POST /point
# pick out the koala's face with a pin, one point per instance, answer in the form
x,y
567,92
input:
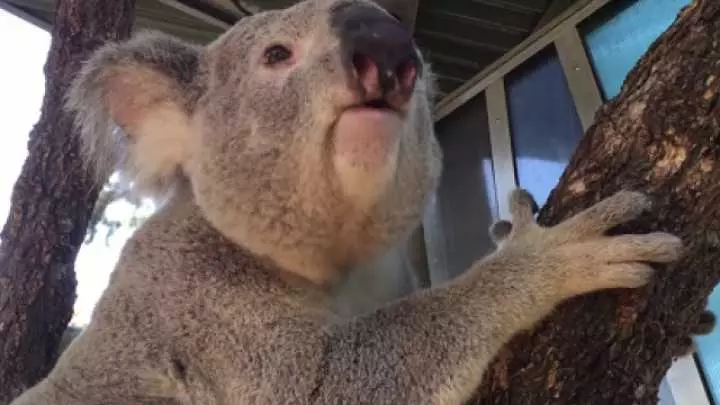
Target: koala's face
x,y
317,121
305,133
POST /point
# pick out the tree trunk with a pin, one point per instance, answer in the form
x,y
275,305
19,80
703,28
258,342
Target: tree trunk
x,y
660,135
51,204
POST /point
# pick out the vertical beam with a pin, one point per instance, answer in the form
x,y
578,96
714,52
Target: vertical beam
x,y
500,145
579,75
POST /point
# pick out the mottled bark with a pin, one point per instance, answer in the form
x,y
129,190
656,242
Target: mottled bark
x,y
51,205
659,135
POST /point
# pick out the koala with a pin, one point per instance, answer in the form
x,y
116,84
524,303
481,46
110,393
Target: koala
x,y
296,145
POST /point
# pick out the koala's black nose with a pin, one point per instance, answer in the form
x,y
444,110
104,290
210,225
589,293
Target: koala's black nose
x,y
380,52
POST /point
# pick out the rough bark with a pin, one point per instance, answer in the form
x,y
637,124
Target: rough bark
x,y
51,204
659,135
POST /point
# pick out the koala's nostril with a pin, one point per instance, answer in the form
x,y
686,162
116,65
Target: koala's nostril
x,y
380,50
362,64
382,67
407,74
378,80
367,74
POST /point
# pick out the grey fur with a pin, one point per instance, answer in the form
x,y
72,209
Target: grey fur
x,y
224,296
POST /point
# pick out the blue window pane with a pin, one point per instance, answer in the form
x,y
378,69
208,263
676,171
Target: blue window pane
x,y
708,350
544,124
619,34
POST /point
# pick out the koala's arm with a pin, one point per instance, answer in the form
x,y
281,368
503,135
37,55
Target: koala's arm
x,y
433,347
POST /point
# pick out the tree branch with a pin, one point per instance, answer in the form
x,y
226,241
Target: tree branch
x,y
659,135
51,204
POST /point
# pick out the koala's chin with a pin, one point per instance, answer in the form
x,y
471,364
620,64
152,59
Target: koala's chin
x,y
365,152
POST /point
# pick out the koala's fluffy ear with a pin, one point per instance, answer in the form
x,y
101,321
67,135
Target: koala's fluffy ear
x,y
148,87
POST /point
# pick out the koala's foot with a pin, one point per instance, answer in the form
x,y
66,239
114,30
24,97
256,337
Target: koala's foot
x,y
575,256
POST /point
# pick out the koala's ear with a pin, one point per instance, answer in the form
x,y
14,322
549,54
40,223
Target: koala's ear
x,y
148,87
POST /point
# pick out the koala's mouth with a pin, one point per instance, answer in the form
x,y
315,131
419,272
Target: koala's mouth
x,y
378,104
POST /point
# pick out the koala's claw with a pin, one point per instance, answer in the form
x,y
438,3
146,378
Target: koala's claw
x,y
658,247
625,275
620,208
522,198
522,207
578,255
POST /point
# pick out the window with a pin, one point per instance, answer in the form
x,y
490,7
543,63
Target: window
x,y
544,124
461,212
620,33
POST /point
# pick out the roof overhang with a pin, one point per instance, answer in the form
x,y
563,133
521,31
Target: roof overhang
x,y
469,43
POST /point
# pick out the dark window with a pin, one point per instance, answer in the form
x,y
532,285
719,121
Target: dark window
x,y
544,124
460,213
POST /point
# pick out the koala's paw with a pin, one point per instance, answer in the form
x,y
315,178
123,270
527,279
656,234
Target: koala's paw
x,y
576,256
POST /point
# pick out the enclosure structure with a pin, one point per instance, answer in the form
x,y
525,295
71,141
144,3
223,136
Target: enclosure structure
x,y
520,80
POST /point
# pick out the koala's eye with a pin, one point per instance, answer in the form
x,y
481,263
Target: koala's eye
x,y
276,54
